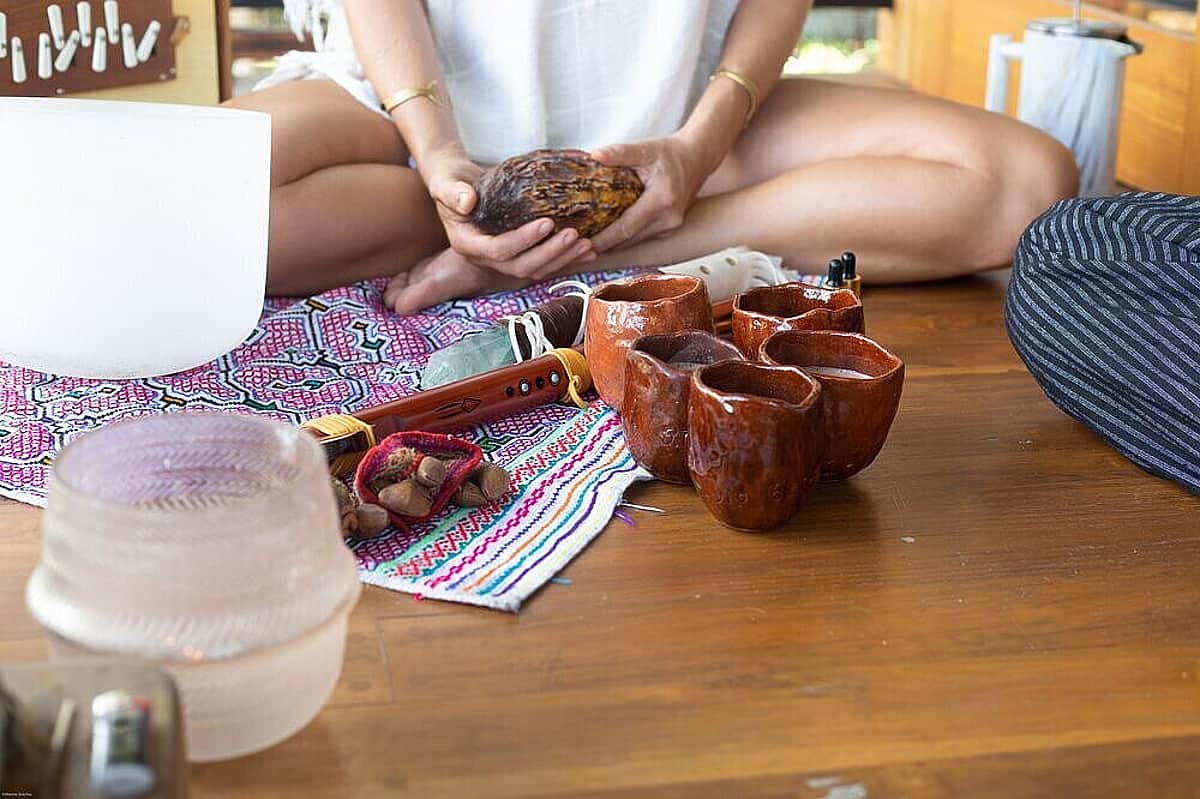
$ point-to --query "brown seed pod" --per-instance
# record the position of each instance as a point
(350, 525)
(347, 504)
(372, 520)
(565, 185)
(469, 495)
(492, 480)
(346, 499)
(431, 472)
(406, 499)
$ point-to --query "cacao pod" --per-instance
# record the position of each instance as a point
(564, 185)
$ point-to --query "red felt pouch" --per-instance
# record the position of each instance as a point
(461, 456)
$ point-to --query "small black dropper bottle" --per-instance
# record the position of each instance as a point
(853, 281)
(850, 262)
(837, 271)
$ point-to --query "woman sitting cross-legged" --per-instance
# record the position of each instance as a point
(687, 92)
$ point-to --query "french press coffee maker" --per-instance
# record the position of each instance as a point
(1072, 79)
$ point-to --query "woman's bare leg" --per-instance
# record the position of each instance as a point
(918, 187)
(344, 204)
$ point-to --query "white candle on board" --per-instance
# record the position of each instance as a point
(100, 51)
(45, 62)
(83, 13)
(67, 54)
(112, 21)
(128, 48)
(3, 35)
(149, 38)
(18, 60)
(54, 12)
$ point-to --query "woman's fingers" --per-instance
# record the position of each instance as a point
(525, 252)
(631, 154)
(612, 236)
(667, 173)
(463, 197)
(628, 225)
(496, 251)
(581, 253)
(456, 196)
(564, 245)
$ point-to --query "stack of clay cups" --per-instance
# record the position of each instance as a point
(800, 397)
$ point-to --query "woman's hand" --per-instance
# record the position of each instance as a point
(672, 173)
(529, 251)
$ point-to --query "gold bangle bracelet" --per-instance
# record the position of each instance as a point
(429, 92)
(746, 83)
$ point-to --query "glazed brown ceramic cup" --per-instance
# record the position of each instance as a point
(754, 441)
(861, 384)
(658, 383)
(760, 313)
(622, 311)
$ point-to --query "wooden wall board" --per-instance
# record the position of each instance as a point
(941, 48)
(27, 20)
(198, 62)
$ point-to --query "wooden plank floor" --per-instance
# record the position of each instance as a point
(999, 607)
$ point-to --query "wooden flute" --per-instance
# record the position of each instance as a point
(463, 404)
(455, 406)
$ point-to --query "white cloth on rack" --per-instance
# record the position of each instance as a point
(525, 74)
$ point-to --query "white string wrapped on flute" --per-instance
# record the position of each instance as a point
(532, 325)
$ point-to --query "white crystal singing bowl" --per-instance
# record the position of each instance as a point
(133, 235)
(210, 544)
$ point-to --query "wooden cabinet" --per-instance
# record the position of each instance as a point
(941, 47)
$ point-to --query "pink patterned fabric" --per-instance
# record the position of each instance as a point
(336, 352)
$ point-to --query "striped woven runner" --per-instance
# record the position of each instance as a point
(496, 556)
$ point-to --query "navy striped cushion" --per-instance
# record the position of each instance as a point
(1104, 308)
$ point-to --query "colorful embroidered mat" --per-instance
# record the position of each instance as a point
(338, 352)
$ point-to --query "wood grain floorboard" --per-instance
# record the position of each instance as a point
(999, 607)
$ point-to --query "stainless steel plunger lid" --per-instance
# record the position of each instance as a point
(1083, 28)
(1089, 28)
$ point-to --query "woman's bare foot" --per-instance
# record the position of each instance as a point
(446, 276)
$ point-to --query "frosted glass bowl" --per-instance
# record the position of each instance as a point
(209, 544)
(135, 234)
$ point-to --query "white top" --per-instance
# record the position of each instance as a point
(524, 74)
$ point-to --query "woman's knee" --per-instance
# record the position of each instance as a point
(1047, 171)
(288, 159)
(1028, 176)
(316, 124)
